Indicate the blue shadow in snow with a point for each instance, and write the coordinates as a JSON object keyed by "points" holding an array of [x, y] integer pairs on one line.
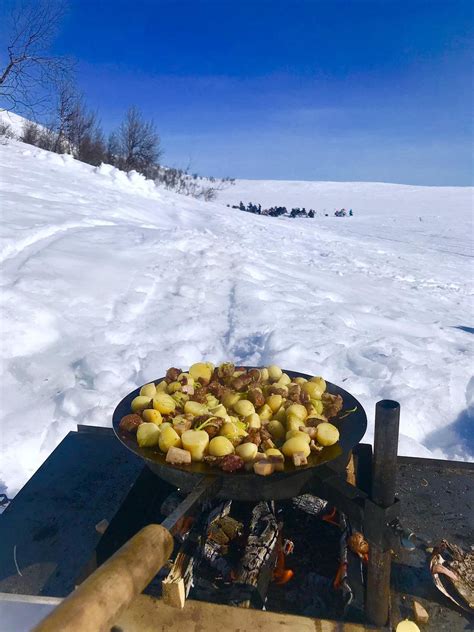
{"points": [[468, 330]]}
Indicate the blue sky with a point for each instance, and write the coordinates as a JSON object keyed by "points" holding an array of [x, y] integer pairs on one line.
{"points": [[296, 89]]}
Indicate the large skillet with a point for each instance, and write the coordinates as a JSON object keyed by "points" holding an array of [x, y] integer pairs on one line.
{"points": [[247, 485]]}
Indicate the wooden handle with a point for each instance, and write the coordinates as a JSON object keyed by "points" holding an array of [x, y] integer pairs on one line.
{"points": [[96, 603]]}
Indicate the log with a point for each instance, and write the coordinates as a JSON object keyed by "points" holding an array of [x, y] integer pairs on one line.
{"points": [[310, 504], [178, 583], [103, 595], [260, 551]]}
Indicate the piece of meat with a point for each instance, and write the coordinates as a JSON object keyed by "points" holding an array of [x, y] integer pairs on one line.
{"points": [[253, 437], [241, 382], [231, 463], [172, 374], [178, 456], [294, 393], [277, 390], [332, 404], [130, 423], [313, 422], [256, 396]]}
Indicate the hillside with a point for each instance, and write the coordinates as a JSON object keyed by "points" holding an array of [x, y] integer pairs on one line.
{"points": [[108, 280]]}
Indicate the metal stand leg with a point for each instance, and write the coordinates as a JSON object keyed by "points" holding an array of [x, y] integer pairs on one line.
{"points": [[387, 415]]}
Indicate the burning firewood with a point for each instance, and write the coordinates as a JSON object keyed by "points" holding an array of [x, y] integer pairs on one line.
{"points": [[260, 549]]}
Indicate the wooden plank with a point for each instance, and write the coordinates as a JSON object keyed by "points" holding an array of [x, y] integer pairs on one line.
{"points": [[147, 614]]}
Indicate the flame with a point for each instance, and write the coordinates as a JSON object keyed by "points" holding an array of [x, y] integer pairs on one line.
{"points": [[281, 575], [331, 517]]}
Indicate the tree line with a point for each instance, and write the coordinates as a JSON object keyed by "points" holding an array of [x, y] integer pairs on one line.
{"points": [[277, 211]]}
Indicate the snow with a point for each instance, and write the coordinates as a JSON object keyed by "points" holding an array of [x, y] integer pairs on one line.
{"points": [[108, 280]]}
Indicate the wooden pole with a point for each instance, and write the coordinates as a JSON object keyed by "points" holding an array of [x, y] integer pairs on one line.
{"points": [[100, 599], [387, 416]]}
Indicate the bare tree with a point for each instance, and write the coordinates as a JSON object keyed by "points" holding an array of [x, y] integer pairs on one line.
{"points": [[139, 143], [30, 70]]}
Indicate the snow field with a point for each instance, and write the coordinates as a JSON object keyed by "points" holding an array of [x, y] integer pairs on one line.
{"points": [[107, 281]]}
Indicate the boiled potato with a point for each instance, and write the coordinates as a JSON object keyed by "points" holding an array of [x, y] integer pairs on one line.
{"points": [[274, 372], [195, 442], [233, 432], [219, 411], [244, 408], [298, 410], [276, 429], [273, 452], [280, 415], [161, 387], [148, 390], [253, 421], [169, 438], [284, 380], [407, 626], [148, 435], [298, 433], [294, 445], [220, 446], [275, 402], [265, 412], [173, 387], [230, 399], [140, 402], [164, 403], [320, 382], [317, 404], [293, 423], [150, 415], [327, 434], [264, 374], [195, 408], [246, 451], [300, 380], [201, 371]]}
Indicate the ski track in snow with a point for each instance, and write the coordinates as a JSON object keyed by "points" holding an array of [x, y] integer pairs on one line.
{"points": [[108, 280]]}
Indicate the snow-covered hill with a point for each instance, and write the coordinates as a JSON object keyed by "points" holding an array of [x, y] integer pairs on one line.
{"points": [[107, 281]]}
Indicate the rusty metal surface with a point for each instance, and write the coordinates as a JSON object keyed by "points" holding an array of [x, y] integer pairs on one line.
{"points": [[437, 502], [48, 532]]}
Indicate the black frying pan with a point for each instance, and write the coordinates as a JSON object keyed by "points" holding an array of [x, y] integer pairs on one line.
{"points": [[244, 485]]}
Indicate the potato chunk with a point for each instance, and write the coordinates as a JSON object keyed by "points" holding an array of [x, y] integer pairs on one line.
{"points": [[220, 446], [150, 415], [169, 438], [139, 403], [196, 442], [246, 451], [327, 434], [295, 444], [148, 435], [201, 372], [164, 403], [148, 390]]}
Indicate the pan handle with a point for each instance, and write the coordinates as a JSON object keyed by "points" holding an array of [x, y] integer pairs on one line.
{"points": [[97, 602]]}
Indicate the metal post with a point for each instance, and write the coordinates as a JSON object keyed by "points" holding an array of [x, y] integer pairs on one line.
{"points": [[387, 416]]}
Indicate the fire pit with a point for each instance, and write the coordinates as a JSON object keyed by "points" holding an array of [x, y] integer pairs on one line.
{"points": [[324, 477]]}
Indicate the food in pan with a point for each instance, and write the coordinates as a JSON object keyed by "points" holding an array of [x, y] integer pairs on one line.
{"points": [[234, 418]]}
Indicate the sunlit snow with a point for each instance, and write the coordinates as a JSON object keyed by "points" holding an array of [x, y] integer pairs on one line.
{"points": [[108, 280]]}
